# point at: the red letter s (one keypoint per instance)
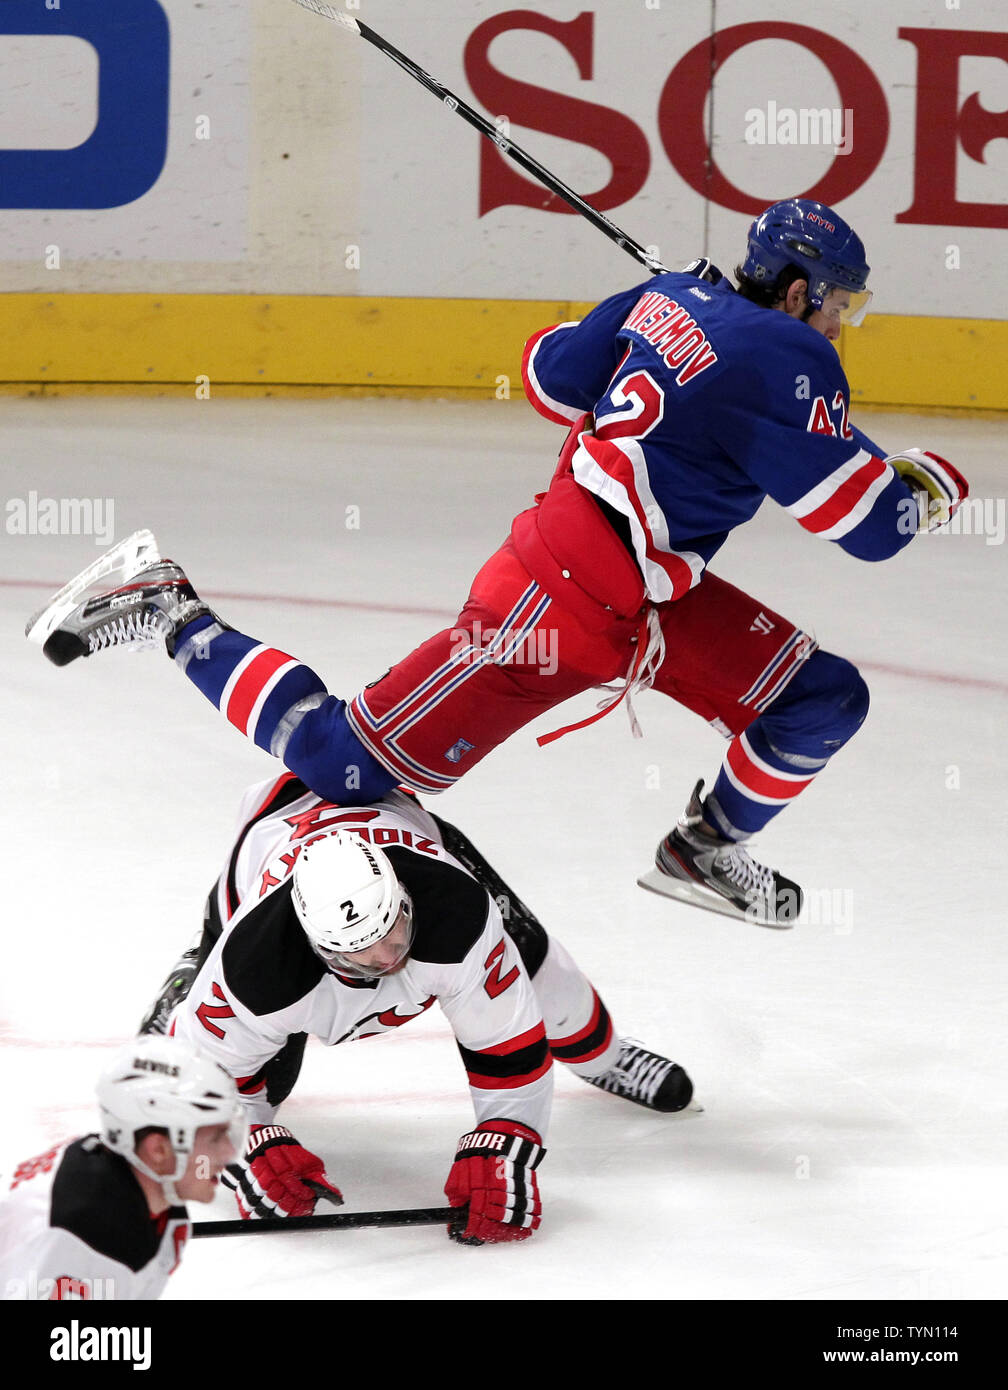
(610, 132)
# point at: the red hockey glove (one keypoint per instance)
(938, 485)
(273, 1176)
(494, 1171)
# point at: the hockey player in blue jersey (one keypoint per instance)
(686, 402)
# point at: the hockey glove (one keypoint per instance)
(938, 486)
(494, 1171)
(277, 1177)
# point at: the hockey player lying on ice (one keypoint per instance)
(103, 1217)
(345, 922)
(687, 402)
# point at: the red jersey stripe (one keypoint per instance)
(753, 777)
(508, 1083)
(534, 1035)
(846, 497)
(250, 685)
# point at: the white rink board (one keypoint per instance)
(330, 171)
(195, 215)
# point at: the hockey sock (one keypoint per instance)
(782, 752)
(578, 1026)
(283, 706)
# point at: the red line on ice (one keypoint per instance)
(449, 615)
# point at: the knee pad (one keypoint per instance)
(822, 707)
(330, 759)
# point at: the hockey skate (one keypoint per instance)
(647, 1079)
(720, 875)
(174, 990)
(149, 603)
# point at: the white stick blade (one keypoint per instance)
(125, 559)
(328, 12)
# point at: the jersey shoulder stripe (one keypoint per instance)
(96, 1197)
(449, 907)
(267, 961)
(283, 792)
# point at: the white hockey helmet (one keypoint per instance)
(347, 897)
(164, 1083)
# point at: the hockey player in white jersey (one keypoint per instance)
(345, 922)
(103, 1217)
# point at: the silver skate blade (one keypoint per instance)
(125, 559)
(695, 895)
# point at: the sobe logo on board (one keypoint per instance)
(950, 116)
(125, 153)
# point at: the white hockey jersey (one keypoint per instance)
(74, 1224)
(262, 984)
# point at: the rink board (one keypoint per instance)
(456, 347)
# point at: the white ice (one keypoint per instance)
(852, 1070)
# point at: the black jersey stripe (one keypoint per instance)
(583, 1046)
(515, 1068)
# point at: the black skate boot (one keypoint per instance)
(720, 875)
(647, 1079)
(174, 990)
(150, 602)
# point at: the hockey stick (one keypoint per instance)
(335, 1221)
(480, 123)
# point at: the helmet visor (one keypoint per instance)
(840, 304)
(383, 957)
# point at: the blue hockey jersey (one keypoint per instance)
(700, 405)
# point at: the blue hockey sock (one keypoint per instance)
(284, 707)
(782, 751)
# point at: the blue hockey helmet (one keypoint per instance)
(815, 239)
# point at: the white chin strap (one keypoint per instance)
(167, 1184)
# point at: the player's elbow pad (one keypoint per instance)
(880, 543)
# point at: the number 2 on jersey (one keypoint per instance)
(640, 403)
(494, 984)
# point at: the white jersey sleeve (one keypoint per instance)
(75, 1225)
(497, 1020)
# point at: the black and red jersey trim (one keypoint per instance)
(507, 1065)
(588, 1042)
(284, 792)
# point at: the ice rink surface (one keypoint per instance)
(852, 1071)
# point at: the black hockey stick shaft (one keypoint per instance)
(334, 1221)
(507, 147)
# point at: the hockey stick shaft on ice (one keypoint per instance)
(334, 1221)
(485, 127)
